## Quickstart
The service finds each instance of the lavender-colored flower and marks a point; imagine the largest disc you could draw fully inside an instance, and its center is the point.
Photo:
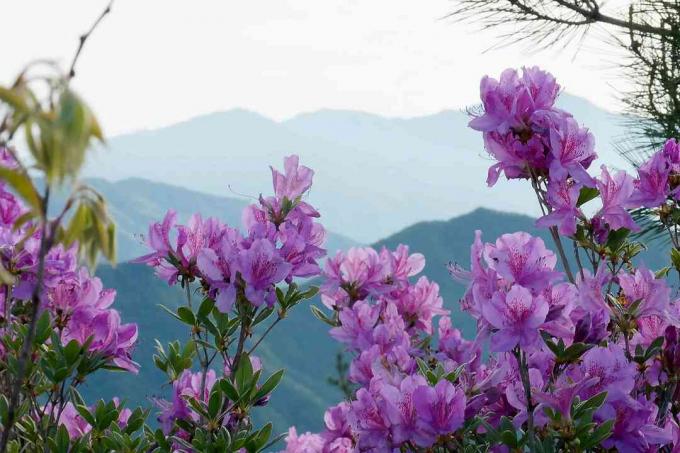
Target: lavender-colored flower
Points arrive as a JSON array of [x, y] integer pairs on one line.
[[573, 150], [400, 264], [591, 328], [454, 347], [510, 101], [356, 325], [616, 194], [440, 409], [591, 292], [368, 417], [401, 410], [295, 181], [515, 155], [522, 259], [517, 315], [635, 429], [651, 186], [261, 267], [359, 272], [563, 395], [561, 299], [303, 443], [562, 197], [615, 374], [420, 303], [671, 348], [653, 293], [336, 422], [187, 385]]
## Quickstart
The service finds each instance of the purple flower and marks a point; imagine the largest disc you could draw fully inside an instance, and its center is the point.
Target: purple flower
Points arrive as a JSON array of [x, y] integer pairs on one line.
[[517, 315], [510, 101], [359, 272], [187, 385], [261, 267], [218, 268], [562, 196], [651, 187], [616, 193], [368, 416], [653, 293], [482, 280], [356, 325], [561, 399], [336, 422], [419, 303], [400, 264], [440, 409], [634, 429], [522, 259], [401, 410], [615, 374], [454, 347], [303, 443], [591, 291], [591, 328], [561, 299], [573, 150], [296, 180], [516, 396], [514, 155]]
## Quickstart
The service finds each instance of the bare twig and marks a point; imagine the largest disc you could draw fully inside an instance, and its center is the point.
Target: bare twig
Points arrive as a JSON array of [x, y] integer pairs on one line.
[[84, 37]]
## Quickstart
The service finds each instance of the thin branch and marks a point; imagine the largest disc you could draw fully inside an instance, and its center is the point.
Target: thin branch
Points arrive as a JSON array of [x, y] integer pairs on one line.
[[84, 37]]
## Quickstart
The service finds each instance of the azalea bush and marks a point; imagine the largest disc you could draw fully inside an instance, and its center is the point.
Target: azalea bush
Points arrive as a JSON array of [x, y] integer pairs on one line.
[[236, 281], [576, 349]]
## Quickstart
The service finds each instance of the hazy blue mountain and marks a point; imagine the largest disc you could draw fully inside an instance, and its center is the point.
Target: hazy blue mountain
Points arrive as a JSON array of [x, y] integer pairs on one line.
[[135, 203], [374, 175], [301, 343]]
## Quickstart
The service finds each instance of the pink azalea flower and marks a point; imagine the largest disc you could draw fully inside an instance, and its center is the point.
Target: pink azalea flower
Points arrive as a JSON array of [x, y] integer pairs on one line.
[[440, 409], [522, 259], [573, 150], [517, 315], [562, 196], [296, 180], [616, 194]]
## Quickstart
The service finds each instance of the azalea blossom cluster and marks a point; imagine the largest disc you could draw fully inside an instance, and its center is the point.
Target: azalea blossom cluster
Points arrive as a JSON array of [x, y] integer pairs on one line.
[[78, 304], [240, 276], [579, 361], [281, 241], [383, 318]]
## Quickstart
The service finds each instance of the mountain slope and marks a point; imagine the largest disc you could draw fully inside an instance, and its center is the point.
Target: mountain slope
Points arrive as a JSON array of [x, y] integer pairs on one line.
[[374, 175]]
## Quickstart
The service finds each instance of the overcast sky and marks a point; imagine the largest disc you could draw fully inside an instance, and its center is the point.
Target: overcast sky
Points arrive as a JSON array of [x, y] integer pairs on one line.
[[157, 62]]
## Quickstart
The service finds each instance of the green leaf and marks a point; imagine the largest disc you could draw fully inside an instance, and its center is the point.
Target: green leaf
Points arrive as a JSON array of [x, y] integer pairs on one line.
[[269, 385], [600, 433], [229, 390], [586, 194], [322, 316], [244, 373], [22, 184], [186, 316], [214, 403], [206, 307], [616, 239]]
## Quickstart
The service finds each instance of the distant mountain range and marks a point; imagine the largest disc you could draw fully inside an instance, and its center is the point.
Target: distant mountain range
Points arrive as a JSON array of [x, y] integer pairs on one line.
[[374, 175], [301, 343]]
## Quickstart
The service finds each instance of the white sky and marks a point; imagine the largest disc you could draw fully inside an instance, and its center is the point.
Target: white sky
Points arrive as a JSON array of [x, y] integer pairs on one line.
[[157, 62]]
